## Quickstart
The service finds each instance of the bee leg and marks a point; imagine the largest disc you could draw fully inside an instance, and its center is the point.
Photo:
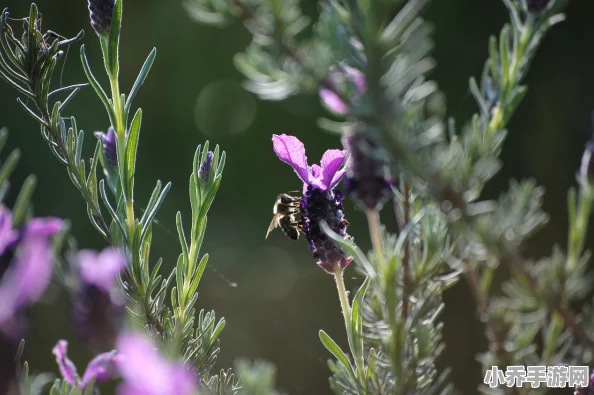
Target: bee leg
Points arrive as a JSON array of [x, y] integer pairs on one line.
[[300, 226]]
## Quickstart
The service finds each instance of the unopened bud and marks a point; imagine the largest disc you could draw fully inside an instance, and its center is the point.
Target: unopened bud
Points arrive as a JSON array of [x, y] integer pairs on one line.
[[101, 14], [205, 167], [110, 153], [537, 5]]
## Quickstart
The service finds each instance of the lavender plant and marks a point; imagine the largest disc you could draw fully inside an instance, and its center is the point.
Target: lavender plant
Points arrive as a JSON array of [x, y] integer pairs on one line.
[[104, 285], [369, 62]]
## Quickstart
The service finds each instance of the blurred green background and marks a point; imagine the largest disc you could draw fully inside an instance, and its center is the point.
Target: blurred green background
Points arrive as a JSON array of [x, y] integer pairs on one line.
[[270, 292]]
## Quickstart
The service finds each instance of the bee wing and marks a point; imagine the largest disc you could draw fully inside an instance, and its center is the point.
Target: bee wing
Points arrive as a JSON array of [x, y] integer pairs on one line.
[[273, 224]]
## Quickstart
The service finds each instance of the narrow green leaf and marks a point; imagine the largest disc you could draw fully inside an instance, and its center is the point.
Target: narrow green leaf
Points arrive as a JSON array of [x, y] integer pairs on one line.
[[350, 248], [114, 37], [218, 329], [132, 146], [151, 203], [31, 44], [95, 84], [9, 165], [199, 272], [153, 212], [182, 238], [478, 96], [337, 352], [146, 67], [23, 200], [504, 56], [32, 113], [357, 321], [109, 207]]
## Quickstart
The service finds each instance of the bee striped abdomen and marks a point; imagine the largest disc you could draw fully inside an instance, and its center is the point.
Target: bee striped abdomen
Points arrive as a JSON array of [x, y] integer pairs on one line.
[[289, 226]]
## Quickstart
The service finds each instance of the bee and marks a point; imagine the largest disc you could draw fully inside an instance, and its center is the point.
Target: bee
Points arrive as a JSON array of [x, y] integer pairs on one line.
[[284, 210]]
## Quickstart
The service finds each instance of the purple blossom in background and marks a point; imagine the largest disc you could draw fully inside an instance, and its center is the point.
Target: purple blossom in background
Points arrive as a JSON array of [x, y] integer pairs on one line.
[[347, 76], [26, 263], [537, 5], [321, 202], [589, 390], [31, 270], [103, 367], [110, 153], [367, 178], [100, 305], [146, 372], [101, 13]]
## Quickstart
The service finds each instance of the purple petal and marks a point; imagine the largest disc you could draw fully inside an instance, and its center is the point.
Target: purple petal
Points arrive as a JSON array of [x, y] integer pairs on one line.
[[103, 367], [101, 269], [7, 235], [67, 368], [331, 162], [144, 368], [316, 180], [356, 78], [44, 227], [29, 277], [146, 372], [333, 102], [291, 151]]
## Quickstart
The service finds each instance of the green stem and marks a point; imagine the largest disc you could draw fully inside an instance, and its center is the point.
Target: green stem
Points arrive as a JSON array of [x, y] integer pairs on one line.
[[120, 129], [373, 220], [577, 233], [346, 312], [499, 118]]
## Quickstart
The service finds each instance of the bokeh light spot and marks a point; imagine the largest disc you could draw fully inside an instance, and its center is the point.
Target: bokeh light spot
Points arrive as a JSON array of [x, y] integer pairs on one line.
[[224, 108], [268, 273]]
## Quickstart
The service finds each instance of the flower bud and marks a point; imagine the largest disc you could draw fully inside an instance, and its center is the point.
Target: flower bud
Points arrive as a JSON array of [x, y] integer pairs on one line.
[[110, 153], [205, 167], [100, 304], [345, 77], [367, 178], [537, 5], [101, 14]]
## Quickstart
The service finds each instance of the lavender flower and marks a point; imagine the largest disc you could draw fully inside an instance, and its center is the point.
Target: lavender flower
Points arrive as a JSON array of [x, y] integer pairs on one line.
[[100, 304], [146, 372], [102, 368], [205, 167], [26, 279], [589, 390], [345, 77], [109, 147], [321, 202], [101, 14], [537, 5], [367, 179], [8, 237]]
